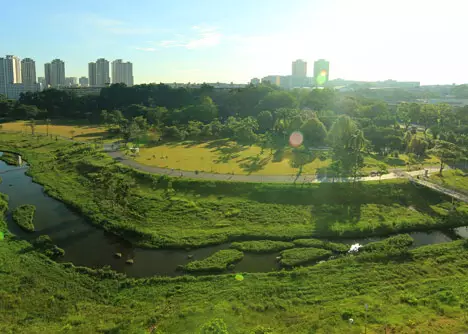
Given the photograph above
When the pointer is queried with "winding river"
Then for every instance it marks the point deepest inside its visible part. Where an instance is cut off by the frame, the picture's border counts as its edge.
(87, 245)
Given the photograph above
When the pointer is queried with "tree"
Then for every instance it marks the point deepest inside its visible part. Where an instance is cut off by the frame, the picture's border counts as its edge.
(446, 152)
(32, 125)
(428, 117)
(206, 111)
(314, 132)
(276, 100)
(215, 326)
(341, 132)
(47, 122)
(265, 121)
(382, 170)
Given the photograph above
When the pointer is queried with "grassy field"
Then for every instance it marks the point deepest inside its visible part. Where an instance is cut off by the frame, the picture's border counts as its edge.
(75, 130)
(163, 212)
(23, 215)
(262, 246)
(454, 179)
(423, 290)
(226, 157)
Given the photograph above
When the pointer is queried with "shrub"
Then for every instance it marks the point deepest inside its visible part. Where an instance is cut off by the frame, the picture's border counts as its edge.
(262, 246)
(23, 215)
(216, 326)
(44, 244)
(216, 262)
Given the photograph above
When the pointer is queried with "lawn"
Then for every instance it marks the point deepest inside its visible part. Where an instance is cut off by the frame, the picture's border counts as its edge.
(227, 157)
(80, 132)
(455, 179)
(170, 212)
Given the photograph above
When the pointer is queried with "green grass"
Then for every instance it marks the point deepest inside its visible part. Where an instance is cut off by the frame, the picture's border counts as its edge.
(23, 215)
(424, 292)
(453, 179)
(171, 212)
(216, 262)
(298, 256)
(9, 158)
(262, 246)
(333, 246)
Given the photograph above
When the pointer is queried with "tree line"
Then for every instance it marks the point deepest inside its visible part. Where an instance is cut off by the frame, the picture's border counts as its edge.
(263, 114)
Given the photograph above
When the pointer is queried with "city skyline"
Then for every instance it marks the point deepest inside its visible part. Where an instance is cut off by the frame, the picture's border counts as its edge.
(210, 42)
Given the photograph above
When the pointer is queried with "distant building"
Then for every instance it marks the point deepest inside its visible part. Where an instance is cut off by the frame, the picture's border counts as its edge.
(299, 68)
(55, 74)
(10, 73)
(255, 81)
(71, 82)
(28, 75)
(13, 91)
(84, 82)
(92, 74)
(41, 81)
(122, 72)
(272, 79)
(321, 71)
(102, 72)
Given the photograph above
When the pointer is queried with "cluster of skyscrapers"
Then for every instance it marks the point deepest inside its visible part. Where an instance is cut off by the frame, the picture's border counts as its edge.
(19, 76)
(298, 77)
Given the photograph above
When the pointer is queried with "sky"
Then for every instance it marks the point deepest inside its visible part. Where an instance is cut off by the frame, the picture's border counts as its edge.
(234, 41)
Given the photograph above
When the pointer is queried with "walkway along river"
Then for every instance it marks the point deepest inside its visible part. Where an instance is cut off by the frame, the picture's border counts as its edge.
(87, 245)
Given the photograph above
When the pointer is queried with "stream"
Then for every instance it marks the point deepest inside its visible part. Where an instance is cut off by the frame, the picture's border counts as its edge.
(88, 245)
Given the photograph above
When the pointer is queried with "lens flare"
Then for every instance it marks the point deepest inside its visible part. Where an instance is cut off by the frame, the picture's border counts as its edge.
(323, 73)
(295, 139)
(239, 277)
(2, 236)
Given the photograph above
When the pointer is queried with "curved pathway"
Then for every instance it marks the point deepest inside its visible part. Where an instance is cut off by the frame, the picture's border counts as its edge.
(122, 158)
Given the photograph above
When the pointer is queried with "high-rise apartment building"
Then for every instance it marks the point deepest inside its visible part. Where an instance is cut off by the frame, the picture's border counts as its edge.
(102, 72)
(28, 75)
(10, 74)
(84, 82)
(42, 83)
(321, 71)
(299, 68)
(55, 74)
(122, 72)
(92, 74)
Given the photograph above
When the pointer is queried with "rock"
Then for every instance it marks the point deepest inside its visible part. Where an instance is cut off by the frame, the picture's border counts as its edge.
(129, 261)
(118, 255)
(190, 256)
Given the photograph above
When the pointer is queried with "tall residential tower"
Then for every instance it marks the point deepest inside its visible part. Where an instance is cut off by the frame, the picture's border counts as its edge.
(55, 74)
(102, 72)
(122, 72)
(299, 68)
(28, 75)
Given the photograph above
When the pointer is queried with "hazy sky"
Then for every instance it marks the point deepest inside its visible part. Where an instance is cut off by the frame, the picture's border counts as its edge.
(220, 40)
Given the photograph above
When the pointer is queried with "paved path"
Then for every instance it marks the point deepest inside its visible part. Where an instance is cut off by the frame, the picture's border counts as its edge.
(449, 192)
(120, 156)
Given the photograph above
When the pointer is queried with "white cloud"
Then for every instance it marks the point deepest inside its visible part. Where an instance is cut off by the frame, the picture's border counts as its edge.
(146, 49)
(117, 27)
(202, 37)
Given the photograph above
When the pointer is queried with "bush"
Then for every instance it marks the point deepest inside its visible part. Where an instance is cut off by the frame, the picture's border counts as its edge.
(262, 246)
(23, 215)
(216, 326)
(216, 262)
(296, 256)
(44, 244)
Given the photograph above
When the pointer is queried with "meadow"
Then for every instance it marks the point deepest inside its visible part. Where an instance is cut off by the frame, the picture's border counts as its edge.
(80, 131)
(156, 211)
(423, 290)
(228, 157)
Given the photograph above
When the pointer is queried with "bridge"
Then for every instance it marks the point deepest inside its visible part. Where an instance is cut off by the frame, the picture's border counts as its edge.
(449, 192)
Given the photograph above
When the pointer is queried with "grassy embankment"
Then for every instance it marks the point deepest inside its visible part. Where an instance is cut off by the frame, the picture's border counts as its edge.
(164, 212)
(217, 262)
(454, 179)
(9, 158)
(226, 157)
(262, 246)
(423, 290)
(23, 215)
(298, 256)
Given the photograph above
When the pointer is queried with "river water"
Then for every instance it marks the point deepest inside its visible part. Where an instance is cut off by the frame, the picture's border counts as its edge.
(87, 245)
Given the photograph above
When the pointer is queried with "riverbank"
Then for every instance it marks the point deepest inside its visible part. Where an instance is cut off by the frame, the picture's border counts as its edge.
(162, 212)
